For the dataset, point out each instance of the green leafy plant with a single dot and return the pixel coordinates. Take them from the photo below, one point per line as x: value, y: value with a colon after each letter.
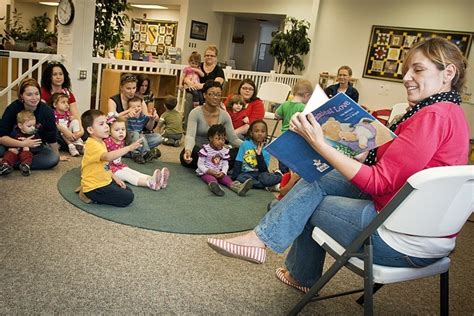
x: 39, y: 28
x: 14, y: 29
x: 110, y: 19
x: 288, y: 45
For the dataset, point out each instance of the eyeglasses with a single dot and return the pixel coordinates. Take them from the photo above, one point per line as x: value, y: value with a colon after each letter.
x: 214, y: 95
x: 247, y: 88
x: 209, y: 56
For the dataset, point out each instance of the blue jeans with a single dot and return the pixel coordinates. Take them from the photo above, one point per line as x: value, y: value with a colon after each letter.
x: 337, y: 207
x: 43, y: 158
x: 150, y: 140
x: 261, y: 180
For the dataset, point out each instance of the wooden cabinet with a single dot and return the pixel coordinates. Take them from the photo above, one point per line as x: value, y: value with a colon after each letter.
x: 161, y: 85
x: 4, y: 71
x: 230, y: 87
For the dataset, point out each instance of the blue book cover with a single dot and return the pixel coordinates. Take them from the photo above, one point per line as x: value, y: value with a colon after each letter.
x: 346, y: 126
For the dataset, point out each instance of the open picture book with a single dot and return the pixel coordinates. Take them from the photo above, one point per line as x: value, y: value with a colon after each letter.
x: 346, y: 126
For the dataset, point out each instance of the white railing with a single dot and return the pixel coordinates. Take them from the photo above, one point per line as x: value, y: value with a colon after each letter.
x: 20, y: 65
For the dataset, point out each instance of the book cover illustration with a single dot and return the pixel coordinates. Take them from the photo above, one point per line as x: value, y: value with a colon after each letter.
x: 346, y: 126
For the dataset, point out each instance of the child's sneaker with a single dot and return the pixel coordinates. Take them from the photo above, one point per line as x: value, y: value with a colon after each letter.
x: 138, y: 158
x: 25, y: 169
x: 153, y: 153
x: 79, y: 146
x: 73, y: 150
x: 5, y: 169
x: 216, y: 189
x: 165, y: 175
x: 177, y: 143
x: 154, y: 182
x: 273, y: 188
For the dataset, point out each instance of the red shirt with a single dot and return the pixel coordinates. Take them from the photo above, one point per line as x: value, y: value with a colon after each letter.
x: 254, y: 110
x: 237, y: 118
x: 437, y: 135
x: 46, y: 95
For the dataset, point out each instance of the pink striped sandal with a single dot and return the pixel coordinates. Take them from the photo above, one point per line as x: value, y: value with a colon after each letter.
x: 247, y: 253
x: 280, y: 274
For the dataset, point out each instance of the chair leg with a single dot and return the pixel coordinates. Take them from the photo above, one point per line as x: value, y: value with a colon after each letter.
x: 368, y: 278
x: 444, y: 293
x: 377, y: 286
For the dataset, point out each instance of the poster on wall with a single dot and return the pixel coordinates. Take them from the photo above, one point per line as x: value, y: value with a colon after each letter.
x: 152, y: 36
x: 388, y: 46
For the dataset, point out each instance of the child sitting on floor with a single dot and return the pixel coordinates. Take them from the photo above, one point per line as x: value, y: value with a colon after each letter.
x: 25, y: 128
x: 172, y: 123
x: 116, y: 141
x: 213, y: 164
x: 137, y: 121
x: 67, y: 124
x: 98, y: 183
x: 253, y: 159
x: 236, y: 110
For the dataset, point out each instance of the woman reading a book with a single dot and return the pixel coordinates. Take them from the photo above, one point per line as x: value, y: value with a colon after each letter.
x: 432, y: 133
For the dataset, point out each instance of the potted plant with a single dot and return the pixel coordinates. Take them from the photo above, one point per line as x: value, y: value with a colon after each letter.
x: 110, y: 21
x: 289, y: 45
x: 14, y: 31
x: 39, y: 30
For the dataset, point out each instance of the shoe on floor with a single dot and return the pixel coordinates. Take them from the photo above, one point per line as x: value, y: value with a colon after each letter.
x: 154, y: 182
x: 165, y: 175
x: 153, y: 153
x: 177, y: 143
x: 73, y: 150
x: 216, y: 189
x: 5, y: 169
x: 247, y: 253
x: 25, y: 169
x: 138, y: 158
x: 280, y: 274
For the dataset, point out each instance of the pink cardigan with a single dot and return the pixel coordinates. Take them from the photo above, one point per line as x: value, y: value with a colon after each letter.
x: 438, y: 135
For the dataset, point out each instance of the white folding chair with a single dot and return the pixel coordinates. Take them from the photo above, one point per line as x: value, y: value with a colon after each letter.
x: 397, y: 110
x: 435, y: 202
x: 270, y: 93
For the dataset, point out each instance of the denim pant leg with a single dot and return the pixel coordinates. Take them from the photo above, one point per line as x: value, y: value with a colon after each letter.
x: 153, y: 140
x: 44, y: 159
x: 244, y: 176
x: 268, y: 179
x: 287, y: 219
x: 2, y: 150
x: 343, y: 219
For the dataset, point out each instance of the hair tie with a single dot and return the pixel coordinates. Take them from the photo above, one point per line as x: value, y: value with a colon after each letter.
x: 111, y: 117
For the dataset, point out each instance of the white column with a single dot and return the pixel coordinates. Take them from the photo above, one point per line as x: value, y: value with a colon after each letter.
x: 75, y: 42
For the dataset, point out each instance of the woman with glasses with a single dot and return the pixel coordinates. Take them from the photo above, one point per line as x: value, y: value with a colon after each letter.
x: 203, y: 117
x: 254, y: 108
x: 211, y: 72
x: 55, y: 79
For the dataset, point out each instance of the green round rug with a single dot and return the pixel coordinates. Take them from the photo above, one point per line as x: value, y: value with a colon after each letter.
x: 186, y: 206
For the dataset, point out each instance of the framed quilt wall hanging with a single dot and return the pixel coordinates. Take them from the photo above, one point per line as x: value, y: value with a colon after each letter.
x: 388, y: 46
x: 152, y: 36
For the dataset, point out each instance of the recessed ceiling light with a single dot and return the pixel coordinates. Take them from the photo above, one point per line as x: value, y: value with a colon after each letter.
x: 51, y: 4
x: 149, y: 6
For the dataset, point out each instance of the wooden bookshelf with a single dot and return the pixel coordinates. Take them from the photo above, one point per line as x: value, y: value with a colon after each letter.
x: 161, y: 85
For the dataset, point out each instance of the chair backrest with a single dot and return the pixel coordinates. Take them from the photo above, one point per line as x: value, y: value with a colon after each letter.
x: 397, y: 110
x: 439, y: 205
x: 382, y: 115
x: 274, y: 92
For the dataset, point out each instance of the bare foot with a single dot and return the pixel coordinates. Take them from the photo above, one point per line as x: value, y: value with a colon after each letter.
x: 249, y: 239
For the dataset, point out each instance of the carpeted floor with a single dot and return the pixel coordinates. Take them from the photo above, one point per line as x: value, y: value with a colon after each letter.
x: 185, y: 206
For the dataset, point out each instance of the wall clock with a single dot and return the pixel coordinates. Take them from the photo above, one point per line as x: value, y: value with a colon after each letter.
x: 65, y: 12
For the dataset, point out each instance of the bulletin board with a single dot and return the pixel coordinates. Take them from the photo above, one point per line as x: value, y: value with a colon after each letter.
x: 152, y: 36
x: 388, y: 46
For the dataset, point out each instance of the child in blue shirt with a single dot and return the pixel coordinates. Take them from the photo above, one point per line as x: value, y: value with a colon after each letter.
x: 252, y: 160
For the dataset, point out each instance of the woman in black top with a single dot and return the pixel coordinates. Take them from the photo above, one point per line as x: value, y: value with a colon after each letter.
x: 45, y: 150
x: 344, y: 74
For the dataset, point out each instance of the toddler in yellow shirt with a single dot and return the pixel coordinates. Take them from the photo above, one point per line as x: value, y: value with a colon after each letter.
x: 97, y: 181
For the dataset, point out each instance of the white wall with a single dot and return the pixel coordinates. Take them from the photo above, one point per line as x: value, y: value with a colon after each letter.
x: 343, y: 30
x: 30, y: 10
x: 244, y: 53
